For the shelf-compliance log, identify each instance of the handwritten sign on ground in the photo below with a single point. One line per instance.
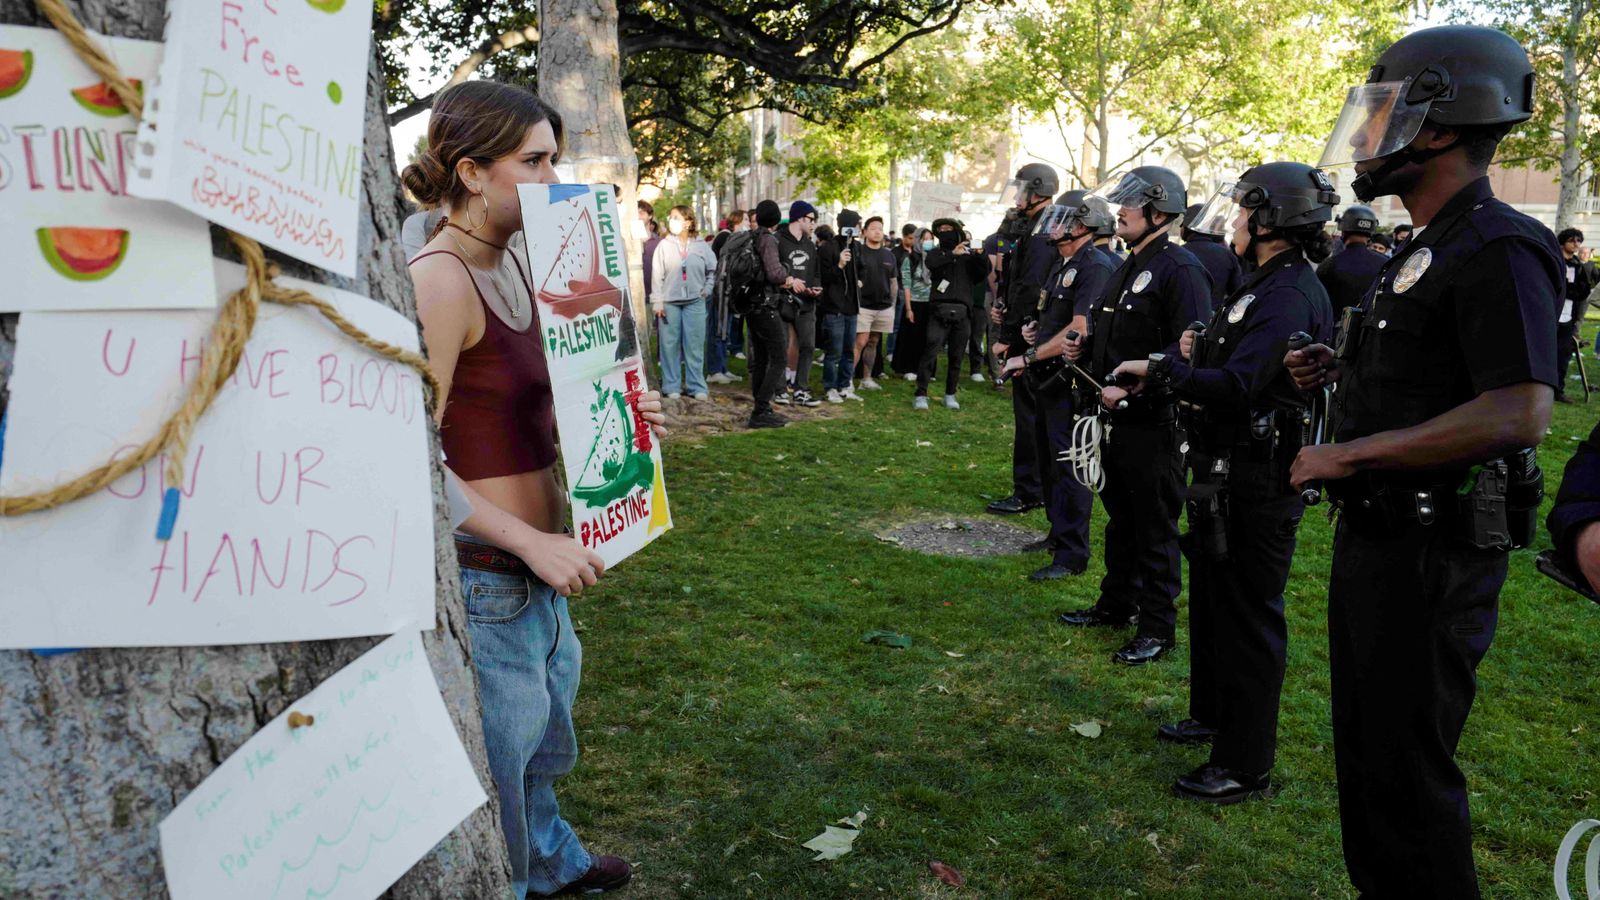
(306, 507)
(580, 286)
(74, 238)
(933, 200)
(257, 121)
(338, 808)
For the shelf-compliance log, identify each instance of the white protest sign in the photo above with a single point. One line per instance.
(573, 246)
(934, 200)
(338, 808)
(257, 120)
(76, 239)
(306, 507)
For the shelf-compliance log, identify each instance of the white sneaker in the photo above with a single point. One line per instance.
(867, 384)
(834, 396)
(950, 402)
(674, 396)
(911, 376)
(849, 393)
(978, 377)
(718, 378)
(740, 355)
(705, 396)
(919, 402)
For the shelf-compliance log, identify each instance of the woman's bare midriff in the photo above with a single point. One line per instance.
(533, 497)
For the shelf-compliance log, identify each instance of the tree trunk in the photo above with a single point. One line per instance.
(1571, 108)
(97, 747)
(580, 74)
(1102, 129)
(894, 197)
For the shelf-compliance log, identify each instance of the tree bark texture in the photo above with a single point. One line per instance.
(96, 747)
(1571, 110)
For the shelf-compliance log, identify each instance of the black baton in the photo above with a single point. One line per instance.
(1313, 421)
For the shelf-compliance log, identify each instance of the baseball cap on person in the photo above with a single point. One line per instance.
(800, 209)
(768, 214)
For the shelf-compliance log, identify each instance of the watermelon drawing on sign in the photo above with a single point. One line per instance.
(102, 101)
(83, 254)
(16, 67)
(614, 468)
(574, 286)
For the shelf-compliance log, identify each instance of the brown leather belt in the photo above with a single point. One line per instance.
(489, 559)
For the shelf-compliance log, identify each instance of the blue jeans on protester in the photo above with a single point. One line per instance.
(683, 346)
(838, 353)
(716, 348)
(528, 661)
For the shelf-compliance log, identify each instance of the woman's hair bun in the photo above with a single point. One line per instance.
(427, 179)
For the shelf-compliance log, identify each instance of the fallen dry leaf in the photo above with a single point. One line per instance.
(832, 843)
(953, 655)
(947, 874)
(1089, 729)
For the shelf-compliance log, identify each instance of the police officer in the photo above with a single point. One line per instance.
(1147, 304)
(1030, 193)
(1348, 275)
(1446, 368)
(1243, 514)
(1080, 227)
(1220, 262)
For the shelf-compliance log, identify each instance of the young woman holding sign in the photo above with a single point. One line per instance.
(498, 427)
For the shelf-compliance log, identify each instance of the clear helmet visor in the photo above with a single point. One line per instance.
(1055, 221)
(1014, 189)
(1129, 190)
(1376, 121)
(1217, 216)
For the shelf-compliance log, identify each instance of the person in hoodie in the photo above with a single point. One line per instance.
(769, 338)
(840, 305)
(957, 274)
(798, 252)
(683, 274)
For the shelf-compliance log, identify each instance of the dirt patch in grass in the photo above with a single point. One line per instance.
(729, 410)
(951, 536)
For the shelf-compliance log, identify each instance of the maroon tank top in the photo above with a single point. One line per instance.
(500, 416)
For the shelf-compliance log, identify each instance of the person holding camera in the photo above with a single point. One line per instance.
(956, 272)
(1346, 276)
(1572, 307)
(1244, 432)
(1144, 310)
(1446, 376)
(1030, 193)
(840, 305)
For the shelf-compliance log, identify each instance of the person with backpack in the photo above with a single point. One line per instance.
(751, 282)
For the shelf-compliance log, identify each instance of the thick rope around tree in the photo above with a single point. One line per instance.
(224, 346)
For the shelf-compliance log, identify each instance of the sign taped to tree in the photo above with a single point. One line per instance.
(934, 200)
(580, 287)
(307, 508)
(257, 120)
(76, 239)
(341, 807)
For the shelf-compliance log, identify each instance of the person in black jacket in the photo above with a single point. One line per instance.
(1243, 514)
(840, 305)
(955, 269)
(1572, 305)
(1216, 256)
(1346, 276)
(769, 338)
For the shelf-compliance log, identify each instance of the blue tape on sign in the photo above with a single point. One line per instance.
(169, 514)
(2, 438)
(560, 192)
(55, 651)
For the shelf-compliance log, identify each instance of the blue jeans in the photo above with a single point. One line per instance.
(683, 346)
(528, 661)
(838, 353)
(716, 348)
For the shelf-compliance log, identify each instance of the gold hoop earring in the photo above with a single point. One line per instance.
(470, 225)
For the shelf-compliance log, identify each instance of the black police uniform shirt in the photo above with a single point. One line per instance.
(1348, 275)
(1147, 304)
(1072, 286)
(955, 278)
(1241, 367)
(1470, 306)
(1578, 500)
(876, 269)
(1221, 263)
(1026, 269)
(841, 296)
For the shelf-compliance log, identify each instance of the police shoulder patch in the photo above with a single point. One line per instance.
(1236, 314)
(1411, 270)
(1142, 282)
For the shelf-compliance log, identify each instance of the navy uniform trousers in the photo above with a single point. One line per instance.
(1067, 502)
(1025, 480)
(1142, 496)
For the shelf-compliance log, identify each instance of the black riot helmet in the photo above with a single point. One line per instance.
(1034, 181)
(1461, 76)
(1077, 207)
(1153, 186)
(1276, 196)
(1358, 219)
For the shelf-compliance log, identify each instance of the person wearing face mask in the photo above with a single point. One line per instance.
(1145, 307)
(798, 253)
(496, 418)
(682, 281)
(647, 231)
(956, 274)
(1025, 266)
(914, 289)
(1445, 376)
(1080, 226)
(1243, 513)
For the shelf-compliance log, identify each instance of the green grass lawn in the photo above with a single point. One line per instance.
(730, 710)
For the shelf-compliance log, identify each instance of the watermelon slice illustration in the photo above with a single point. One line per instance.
(100, 100)
(16, 67)
(83, 254)
(614, 468)
(327, 6)
(574, 286)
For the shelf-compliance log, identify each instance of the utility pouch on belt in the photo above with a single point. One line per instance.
(1207, 537)
(1349, 340)
(1263, 435)
(1524, 493)
(1483, 520)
